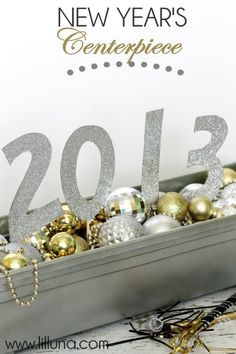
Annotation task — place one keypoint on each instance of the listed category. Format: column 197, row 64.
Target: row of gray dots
column 119, row 64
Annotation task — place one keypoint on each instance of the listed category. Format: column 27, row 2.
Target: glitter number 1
column 207, row 155
column 21, row 224
column 151, row 156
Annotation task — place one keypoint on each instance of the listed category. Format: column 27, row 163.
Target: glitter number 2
column 87, row 209
column 207, row 155
column 21, row 224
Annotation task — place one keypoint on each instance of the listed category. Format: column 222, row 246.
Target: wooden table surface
column 221, row 340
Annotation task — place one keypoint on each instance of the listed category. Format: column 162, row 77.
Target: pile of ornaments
column 129, row 217
column 125, row 216
column 62, row 237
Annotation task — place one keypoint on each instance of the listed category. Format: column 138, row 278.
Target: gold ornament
column 47, row 256
column 65, row 207
column 172, row 204
column 101, row 216
column 188, row 220
column 200, row 208
column 68, row 222
column 47, row 230
column 93, row 230
column 62, row 244
column 216, row 213
column 37, row 239
column 80, row 244
column 229, row 176
column 14, row 261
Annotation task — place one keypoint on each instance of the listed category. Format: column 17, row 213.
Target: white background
column 36, row 94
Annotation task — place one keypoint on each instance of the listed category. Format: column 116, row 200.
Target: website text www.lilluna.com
column 44, row 343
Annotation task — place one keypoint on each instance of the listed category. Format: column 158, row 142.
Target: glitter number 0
column 21, row 224
column 207, row 155
column 87, row 209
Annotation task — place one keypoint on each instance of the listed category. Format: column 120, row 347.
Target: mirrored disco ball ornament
column 119, row 229
column 126, row 201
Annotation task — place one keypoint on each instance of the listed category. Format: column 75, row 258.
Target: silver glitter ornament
column 206, row 156
column 187, row 191
column 228, row 210
column 119, row 229
column 22, row 224
column 29, row 251
column 219, row 203
column 151, row 156
column 231, row 201
column 87, row 209
column 3, row 241
column 228, row 191
column 126, row 201
column 160, row 223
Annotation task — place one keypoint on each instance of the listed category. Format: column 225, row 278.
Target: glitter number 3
column 207, row 156
column 21, row 224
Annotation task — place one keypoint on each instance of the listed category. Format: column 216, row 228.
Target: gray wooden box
column 105, row 285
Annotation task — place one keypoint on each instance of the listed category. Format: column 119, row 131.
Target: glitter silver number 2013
column 207, row 155
column 21, row 224
column 87, row 209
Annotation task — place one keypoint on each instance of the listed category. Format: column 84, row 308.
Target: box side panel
column 107, row 298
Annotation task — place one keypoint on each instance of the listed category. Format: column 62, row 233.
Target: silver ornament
column 151, row 156
column 126, row 201
column 219, row 203
column 84, row 208
column 228, row 191
column 187, row 191
column 119, row 229
column 206, row 156
column 160, row 223
column 2, row 255
column 231, row 201
column 161, row 194
column 29, row 251
column 3, row 241
column 228, row 210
